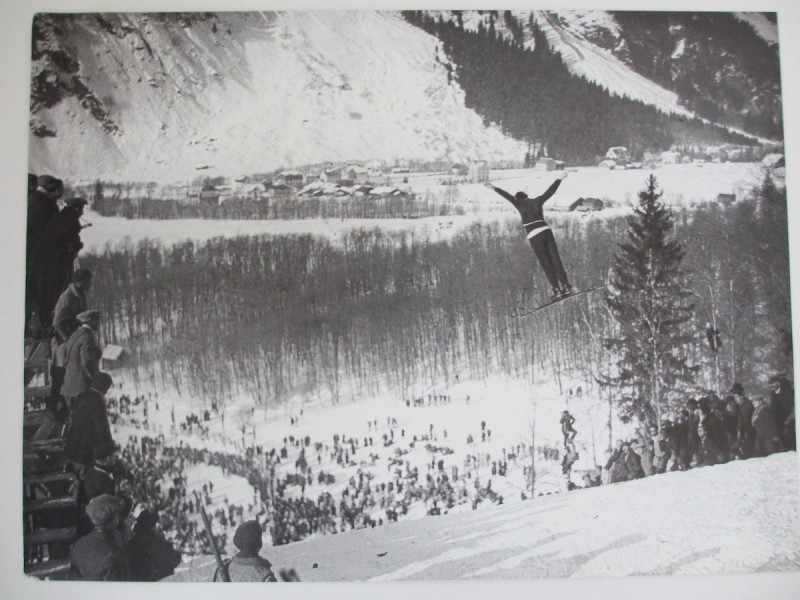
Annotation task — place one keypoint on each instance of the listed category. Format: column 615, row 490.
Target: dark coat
column 531, row 209
column 41, row 208
column 631, row 466
column 100, row 556
column 70, row 304
column 52, row 259
column 151, row 556
column 88, row 431
column 767, row 432
column 781, row 402
column 82, row 362
column 711, row 453
column 248, row 568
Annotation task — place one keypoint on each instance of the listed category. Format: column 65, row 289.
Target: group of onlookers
column 710, row 431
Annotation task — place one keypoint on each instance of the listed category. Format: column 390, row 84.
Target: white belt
column 537, row 230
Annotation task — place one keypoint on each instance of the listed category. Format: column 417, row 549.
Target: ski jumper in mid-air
column 540, row 235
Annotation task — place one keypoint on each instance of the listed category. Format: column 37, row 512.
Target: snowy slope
column 281, row 89
column 574, row 35
column 734, row 518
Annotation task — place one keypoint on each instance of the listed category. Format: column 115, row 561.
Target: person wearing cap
column 540, row 236
column 54, row 255
column 100, row 555
column 247, row 565
column 82, row 356
column 151, row 556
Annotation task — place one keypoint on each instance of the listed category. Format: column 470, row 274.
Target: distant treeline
column 534, row 97
column 294, row 207
column 270, row 316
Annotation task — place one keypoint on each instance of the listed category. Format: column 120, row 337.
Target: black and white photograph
column 395, row 295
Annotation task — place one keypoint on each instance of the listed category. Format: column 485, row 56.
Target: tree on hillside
column 649, row 303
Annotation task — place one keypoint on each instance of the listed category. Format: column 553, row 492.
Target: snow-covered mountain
column 166, row 98
column 169, row 97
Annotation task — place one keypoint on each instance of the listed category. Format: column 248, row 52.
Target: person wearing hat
column 54, row 255
column 70, row 304
column 100, row 555
column 247, row 565
column 540, row 236
column 82, row 356
column 151, row 556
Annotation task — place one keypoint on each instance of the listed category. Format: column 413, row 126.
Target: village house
column 459, row 169
column 209, row 194
column 278, row 190
column 355, row 174
column 545, row 163
column 112, row 357
column 670, row 157
column 478, row 171
column 291, row 178
column 619, row 154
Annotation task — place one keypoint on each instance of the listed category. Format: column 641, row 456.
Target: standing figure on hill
column 540, row 235
column 569, row 433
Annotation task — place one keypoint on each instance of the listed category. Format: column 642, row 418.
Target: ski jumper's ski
column 557, row 300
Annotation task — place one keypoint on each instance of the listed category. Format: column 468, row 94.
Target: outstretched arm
column 503, row 193
column 552, row 189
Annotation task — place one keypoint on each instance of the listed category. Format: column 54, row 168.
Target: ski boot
column 566, row 290
column 556, row 295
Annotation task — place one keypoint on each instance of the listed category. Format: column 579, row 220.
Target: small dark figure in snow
column 540, row 235
column 569, row 432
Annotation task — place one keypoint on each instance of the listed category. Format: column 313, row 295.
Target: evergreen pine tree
column 650, row 304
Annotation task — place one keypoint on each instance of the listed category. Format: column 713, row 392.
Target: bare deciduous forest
column 379, row 313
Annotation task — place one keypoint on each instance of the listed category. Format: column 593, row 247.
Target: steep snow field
column 285, row 88
column 566, row 33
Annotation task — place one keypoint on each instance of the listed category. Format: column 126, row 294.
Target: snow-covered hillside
column 279, row 89
column 733, row 518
